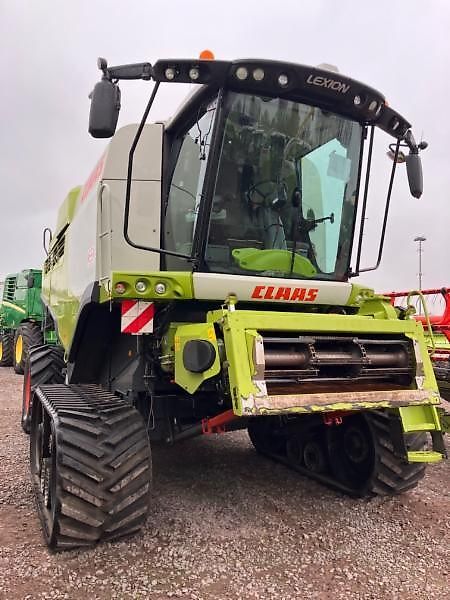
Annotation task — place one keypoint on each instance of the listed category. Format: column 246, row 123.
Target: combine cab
column 199, row 282
column 20, row 318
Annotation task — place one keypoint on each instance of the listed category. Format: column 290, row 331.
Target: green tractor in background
column 21, row 315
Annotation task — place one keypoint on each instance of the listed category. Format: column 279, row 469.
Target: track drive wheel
column 90, row 465
column 362, row 457
column 26, row 336
column 43, row 365
column 6, row 344
column 263, row 434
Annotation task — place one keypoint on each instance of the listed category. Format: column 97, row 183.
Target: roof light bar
column 322, row 87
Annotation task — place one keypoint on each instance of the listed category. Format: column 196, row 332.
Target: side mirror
column 415, row 178
column 105, row 106
column 30, row 281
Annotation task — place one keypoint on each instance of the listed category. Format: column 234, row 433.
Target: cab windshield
column 284, row 199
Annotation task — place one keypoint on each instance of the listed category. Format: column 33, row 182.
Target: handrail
column 425, row 311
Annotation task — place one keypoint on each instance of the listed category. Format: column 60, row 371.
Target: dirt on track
column 227, row 523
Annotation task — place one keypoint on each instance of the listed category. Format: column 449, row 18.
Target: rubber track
column 392, row 474
column 46, row 365
column 32, row 336
column 7, row 356
column 103, row 466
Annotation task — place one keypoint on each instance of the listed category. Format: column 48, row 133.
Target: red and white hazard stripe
column 137, row 317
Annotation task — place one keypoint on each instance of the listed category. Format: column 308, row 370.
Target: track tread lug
column 393, row 471
column 103, row 466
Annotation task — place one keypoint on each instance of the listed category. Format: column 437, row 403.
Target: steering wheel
column 279, row 188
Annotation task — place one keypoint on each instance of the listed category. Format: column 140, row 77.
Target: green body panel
column 184, row 333
column 63, row 305
column 254, row 259
column 360, row 294
column 21, row 303
column 377, row 309
column 178, row 285
column 424, row 456
column 420, row 418
column 66, row 211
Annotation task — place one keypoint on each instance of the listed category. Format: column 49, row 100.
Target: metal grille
column 10, row 287
column 55, row 255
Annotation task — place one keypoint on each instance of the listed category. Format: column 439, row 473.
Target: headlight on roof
column 170, row 73
column 242, row 73
column 258, row 74
column 283, row 79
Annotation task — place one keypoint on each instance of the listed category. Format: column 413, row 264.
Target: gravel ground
column 228, row 523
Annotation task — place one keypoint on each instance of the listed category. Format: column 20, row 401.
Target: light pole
column 420, row 239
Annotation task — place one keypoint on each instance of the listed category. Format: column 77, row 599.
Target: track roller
column 356, row 457
column 314, row 457
column 90, row 465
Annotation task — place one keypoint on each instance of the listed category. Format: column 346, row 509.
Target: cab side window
column 186, row 187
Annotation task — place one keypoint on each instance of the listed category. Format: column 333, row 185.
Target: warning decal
column 137, row 317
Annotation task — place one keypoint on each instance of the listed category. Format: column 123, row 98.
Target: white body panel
column 147, row 156
column 216, row 286
column 105, row 192
column 116, row 254
column 95, row 238
column 81, row 245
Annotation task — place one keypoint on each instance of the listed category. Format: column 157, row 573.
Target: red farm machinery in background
column 433, row 307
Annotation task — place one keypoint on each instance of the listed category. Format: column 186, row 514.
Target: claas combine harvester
column 199, row 283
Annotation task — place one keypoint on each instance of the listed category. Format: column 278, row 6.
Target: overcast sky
column 48, row 51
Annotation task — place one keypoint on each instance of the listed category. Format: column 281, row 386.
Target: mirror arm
column 411, row 142
column 386, row 212
column 129, row 181
column 132, row 71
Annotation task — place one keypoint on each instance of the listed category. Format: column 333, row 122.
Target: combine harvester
column 199, row 283
column 21, row 316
